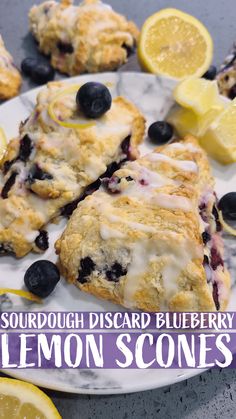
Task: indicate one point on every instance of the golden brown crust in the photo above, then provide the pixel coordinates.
(97, 38)
(10, 78)
(144, 239)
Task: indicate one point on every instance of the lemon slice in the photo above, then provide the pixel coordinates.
(219, 139)
(175, 44)
(3, 143)
(79, 123)
(23, 400)
(197, 94)
(21, 293)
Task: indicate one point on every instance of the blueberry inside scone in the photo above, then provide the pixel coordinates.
(226, 77)
(149, 238)
(89, 38)
(54, 163)
(10, 79)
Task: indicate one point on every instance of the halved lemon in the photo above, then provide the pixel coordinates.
(3, 143)
(23, 400)
(219, 139)
(175, 44)
(199, 95)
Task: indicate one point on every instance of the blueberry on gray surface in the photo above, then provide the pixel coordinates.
(28, 64)
(210, 73)
(93, 99)
(41, 278)
(227, 205)
(42, 73)
(160, 132)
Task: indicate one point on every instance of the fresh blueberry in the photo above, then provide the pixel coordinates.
(8, 185)
(42, 73)
(160, 132)
(41, 278)
(227, 205)
(94, 99)
(28, 64)
(210, 73)
(232, 92)
(41, 240)
(65, 47)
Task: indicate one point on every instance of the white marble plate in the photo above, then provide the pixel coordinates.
(154, 98)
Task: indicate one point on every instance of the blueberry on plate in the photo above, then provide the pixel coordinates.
(42, 73)
(160, 132)
(93, 99)
(28, 64)
(210, 73)
(41, 278)
(227, 205)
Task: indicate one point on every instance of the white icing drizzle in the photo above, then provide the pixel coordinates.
(177, 256)
(181, 146)
(172, 202)
(107, 233)
(185, 165)
(136, 226)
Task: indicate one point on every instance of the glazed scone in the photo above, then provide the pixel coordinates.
(148, 238)
(49, 167)
(226, 77)
(89, 38)
(10, 78)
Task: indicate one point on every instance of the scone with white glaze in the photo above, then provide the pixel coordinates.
(55, 162)
(10, 78)
(149, 237)
(89, 38)
(226, 77)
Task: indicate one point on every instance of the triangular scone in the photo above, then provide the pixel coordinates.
(10, 78)
(49, 167)
(89, 38)
(148, 238)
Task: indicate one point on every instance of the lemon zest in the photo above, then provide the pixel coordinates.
(65, 124)
(226, 226)
(21, 293)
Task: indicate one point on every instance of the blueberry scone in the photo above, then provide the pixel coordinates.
(56, 161)
(226, 77)
(89, 38)
(10, 79)
(149, 237)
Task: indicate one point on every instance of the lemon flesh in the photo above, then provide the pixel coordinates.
(175, 44)
(219, 140)
(21, 400)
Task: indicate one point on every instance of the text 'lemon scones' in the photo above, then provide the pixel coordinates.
(10, 79)
(148, 238)
(54, 163)
(90, 37)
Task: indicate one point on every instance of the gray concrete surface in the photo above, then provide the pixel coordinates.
(211, 395)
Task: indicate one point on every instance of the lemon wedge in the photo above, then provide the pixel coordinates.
(79, 123)
(175, 44)
(199, 95)
(21, 293)
(219, 140)
(23, 400)
(186, 121)
(3, 143)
